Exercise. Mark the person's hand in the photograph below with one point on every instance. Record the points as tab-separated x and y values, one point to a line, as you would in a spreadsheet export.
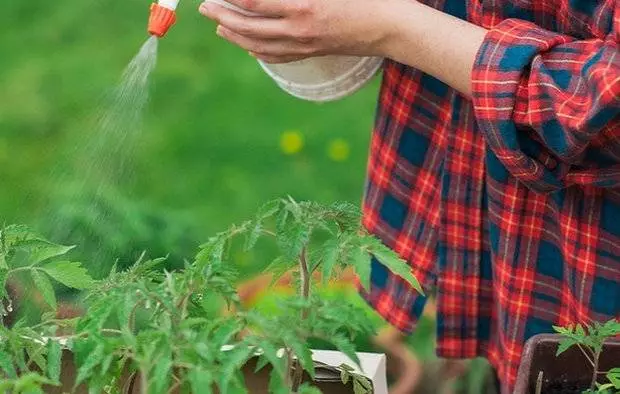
290	30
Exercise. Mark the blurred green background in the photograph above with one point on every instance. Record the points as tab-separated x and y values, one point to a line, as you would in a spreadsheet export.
219	137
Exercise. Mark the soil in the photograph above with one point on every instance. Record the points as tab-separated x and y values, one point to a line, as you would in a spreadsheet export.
564	387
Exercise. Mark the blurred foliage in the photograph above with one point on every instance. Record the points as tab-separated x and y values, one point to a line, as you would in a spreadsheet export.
219	136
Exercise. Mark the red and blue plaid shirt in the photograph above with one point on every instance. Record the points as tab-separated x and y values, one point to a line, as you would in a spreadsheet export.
507	206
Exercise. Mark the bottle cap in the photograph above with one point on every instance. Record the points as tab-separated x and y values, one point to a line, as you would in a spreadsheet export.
161	20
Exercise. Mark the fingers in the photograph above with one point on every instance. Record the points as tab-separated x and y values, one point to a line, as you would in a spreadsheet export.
270	51
271	8
249	26
278	59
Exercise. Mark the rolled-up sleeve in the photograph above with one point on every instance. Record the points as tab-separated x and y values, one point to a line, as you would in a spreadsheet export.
548	104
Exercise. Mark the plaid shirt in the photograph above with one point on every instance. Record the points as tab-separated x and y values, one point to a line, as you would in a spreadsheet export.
507	206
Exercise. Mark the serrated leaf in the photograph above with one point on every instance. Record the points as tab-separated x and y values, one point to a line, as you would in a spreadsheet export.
85	369
261	363
613	375
303	353
232	362
200	381
54	356
330	251
3	263
70	274
278	267
360	388
34	354
345	376
603	388
395	264
560	330
44	285
276	384
292	239
253	235
360	259
306	388
6	364
40	250
347	347
161	373
270	353
579	330
225	332
564	345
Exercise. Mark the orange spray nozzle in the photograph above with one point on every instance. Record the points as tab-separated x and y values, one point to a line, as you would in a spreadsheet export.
161	20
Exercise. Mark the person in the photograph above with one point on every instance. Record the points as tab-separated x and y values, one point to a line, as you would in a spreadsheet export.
494	165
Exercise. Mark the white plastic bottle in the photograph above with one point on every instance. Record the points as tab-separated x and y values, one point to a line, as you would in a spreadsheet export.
319	79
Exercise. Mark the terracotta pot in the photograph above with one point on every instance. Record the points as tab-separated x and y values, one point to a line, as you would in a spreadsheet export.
571	367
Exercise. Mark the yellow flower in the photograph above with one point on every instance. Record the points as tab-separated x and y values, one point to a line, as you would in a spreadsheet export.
291	142
338	150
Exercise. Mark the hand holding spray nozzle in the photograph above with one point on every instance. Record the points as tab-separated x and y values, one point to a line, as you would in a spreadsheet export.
162	17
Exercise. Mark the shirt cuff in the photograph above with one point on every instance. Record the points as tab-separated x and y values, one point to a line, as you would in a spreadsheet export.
499	93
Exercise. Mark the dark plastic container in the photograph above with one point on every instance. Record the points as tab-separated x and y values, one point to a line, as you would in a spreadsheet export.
569	367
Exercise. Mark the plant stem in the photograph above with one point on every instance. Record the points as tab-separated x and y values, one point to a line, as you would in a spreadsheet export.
585	353
305	294
597	355
289	366
539	382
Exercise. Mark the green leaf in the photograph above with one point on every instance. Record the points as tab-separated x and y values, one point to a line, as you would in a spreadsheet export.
345	375
303	353
560	330
253	235
54	356
331	251
225	332
85	370
613	375
200	381
161	373
278	267
394	263
45	287
564	345
233	361
306	388
270	353
41	250
70	274
293	238
31	383
276	384
360	259
34	352
346	346
579	330
360	386
6	364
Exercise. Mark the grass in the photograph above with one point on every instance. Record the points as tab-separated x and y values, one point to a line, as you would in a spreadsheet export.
210	150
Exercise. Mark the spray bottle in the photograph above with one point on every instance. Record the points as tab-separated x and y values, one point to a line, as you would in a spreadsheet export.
163	16
319	79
